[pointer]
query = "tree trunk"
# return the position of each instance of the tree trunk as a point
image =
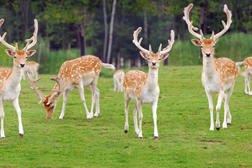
(105, 44)
(111, 31)
(82, 44)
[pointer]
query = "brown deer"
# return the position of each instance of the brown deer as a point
(118, 80)
(247, 62)
(31, 66)
(10, 78)
(143, 87)
(218, 75)
(74, 74)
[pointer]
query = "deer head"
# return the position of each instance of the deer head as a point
(20, 56)
(153, 58)
(50, 100)
(207, 45)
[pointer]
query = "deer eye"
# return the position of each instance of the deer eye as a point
(14, 57)
(148, 58)
(201, 46)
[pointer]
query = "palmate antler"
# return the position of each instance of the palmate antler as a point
(138, 43)
(192, 29)
(28, 46)
(57, 92)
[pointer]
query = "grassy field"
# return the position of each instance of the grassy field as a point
(183, 125)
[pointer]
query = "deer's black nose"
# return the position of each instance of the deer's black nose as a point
(154, 63)
(208, 54)
(22, 65)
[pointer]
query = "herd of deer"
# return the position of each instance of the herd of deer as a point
(218, 76)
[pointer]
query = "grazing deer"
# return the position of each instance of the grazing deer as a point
(218, 75)
(74, 74)
(143, 87)
(118, 80)
(32, 67)
(10, 78)
(247, 73)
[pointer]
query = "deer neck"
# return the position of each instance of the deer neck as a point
(152, 78)
(208, 65)
(15, 75)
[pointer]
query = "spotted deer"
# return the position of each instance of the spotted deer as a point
(74, 74)
(143, 87)
(31, 66)
(10, 78)
(118, 80)
(218, 75)
(247, 62)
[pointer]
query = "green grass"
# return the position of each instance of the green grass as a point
(183, 125)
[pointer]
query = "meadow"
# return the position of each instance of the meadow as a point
(183, 125)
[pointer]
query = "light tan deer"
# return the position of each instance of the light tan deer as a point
(75, 74)
(247, 73)
(118, 80)
(143, 87)
(10, 78)
(218, 75)
(31, 66)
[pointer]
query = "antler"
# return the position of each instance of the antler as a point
(169, 47)
(55, 95)
(42, 97)
(4, 42)
(138, 43)
(191, 28)
(226, 26)
(33, 38)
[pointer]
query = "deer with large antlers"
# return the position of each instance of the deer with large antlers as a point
(218, 75)
(74, 74)
(247, 62)
(10, 78)
(143, 87)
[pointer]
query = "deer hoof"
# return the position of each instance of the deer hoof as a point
(218, 128)
(125, 131)
(156, 137)
(2, 137)
(228, 123)
(140, 137)
(21, 135)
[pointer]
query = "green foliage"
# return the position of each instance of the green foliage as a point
(183, 125)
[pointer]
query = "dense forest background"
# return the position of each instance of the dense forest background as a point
(69, 29)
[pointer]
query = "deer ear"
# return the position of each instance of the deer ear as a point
(164, 56)
(10, 52)
(144, 55)
(196, 42)
(30, 53)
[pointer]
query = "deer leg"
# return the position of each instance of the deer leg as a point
(226, 108)
(210, 102)
(23, 74)
(139, 107)
(81, 91)
(127, 100)
(154, 111)
(94, 84)
(2, 118)
(97, 97)
(218, 107)
(135, 119)
(114, 84)
(65, 93)
(20, 126)
(248, 85)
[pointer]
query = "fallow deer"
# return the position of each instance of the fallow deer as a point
(143, 87)
(74, 74)
(118, 80)
(218, 75)
(31, 66)
(247, 62)
(10, 78)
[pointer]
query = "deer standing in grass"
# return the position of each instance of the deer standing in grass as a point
(31, 66)
(74, 74)
(218, 75)
(143, 87)
(118, 80)
(247, 73)
(10, 78)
